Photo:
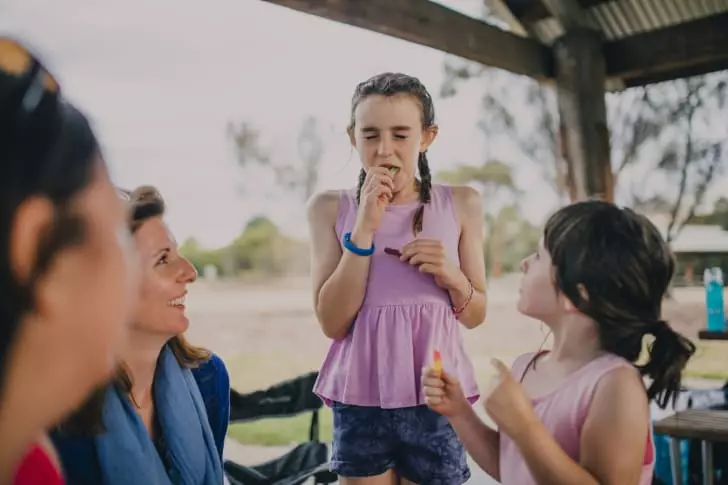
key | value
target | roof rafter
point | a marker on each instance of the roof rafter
(433, 25)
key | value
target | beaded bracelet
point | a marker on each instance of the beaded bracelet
(459, 311)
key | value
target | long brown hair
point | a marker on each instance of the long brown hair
(144, 203)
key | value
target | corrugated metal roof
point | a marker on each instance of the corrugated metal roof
(623, 18)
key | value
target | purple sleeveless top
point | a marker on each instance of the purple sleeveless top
(404, 316)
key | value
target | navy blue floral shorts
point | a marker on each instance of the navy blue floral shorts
(419, 444)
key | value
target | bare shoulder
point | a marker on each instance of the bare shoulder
(618, 412)
(468, 203)
(323, 206)
(619, 399)
(624, 382)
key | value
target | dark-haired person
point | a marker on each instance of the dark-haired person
(579, 414)
(67, 272)
(164, 418)
(397, 269)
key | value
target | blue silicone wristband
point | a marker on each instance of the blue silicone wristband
(350, 246)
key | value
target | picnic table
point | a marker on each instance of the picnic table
(706, 426)
(708, 335)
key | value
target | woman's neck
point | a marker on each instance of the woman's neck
(32, 355)
(16, 442)
(141, 362)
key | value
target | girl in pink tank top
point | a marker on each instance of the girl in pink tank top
(579, 413)
(397, 267)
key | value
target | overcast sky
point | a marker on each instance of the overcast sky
(161, 78)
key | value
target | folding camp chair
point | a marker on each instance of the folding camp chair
(308, 460)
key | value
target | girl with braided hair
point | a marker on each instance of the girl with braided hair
(396, 264)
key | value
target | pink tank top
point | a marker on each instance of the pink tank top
(403, 318)
(564, 411)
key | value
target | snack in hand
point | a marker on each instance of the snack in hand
(393, 252)
(393, 170)
(437, 361)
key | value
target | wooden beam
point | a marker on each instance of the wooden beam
(568, 13)
(682, 50)
(584, 135)
(501, 10)
(532, 11)
(696, 70)
(432, 25)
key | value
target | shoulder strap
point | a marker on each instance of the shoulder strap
(526, 362)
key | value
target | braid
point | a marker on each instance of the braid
(362, 178)
(425, 189)
(391, 84)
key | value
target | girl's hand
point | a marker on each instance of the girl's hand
(429, 257)
(443, 393)
(507, 403)
(376, 192)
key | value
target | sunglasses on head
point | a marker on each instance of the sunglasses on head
(35, 82)
(31, 104)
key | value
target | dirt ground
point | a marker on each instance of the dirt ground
(270, 329)
(267, 332)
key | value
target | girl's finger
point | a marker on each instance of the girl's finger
(448, 379)
(415, 260)
(424, 258)
(434, 382)
(378, 191)
(375, 176)
(428, 268)
(431, 376)
(432, 400)
(382, 180)
(386, 180)
(434, 392)
(430, 250)
(385, 193)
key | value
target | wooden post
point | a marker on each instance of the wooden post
(580, 78)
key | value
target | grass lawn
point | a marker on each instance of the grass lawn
(710, 362)
(283, 431)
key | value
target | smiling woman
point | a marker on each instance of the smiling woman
(165, 417)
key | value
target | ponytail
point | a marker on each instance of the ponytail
(668, 356)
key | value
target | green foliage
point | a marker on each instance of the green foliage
(260, 249)
(509, 238)
(719, 215)
(494, 173)
(200, 257)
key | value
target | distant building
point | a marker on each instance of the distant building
(697, 247)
